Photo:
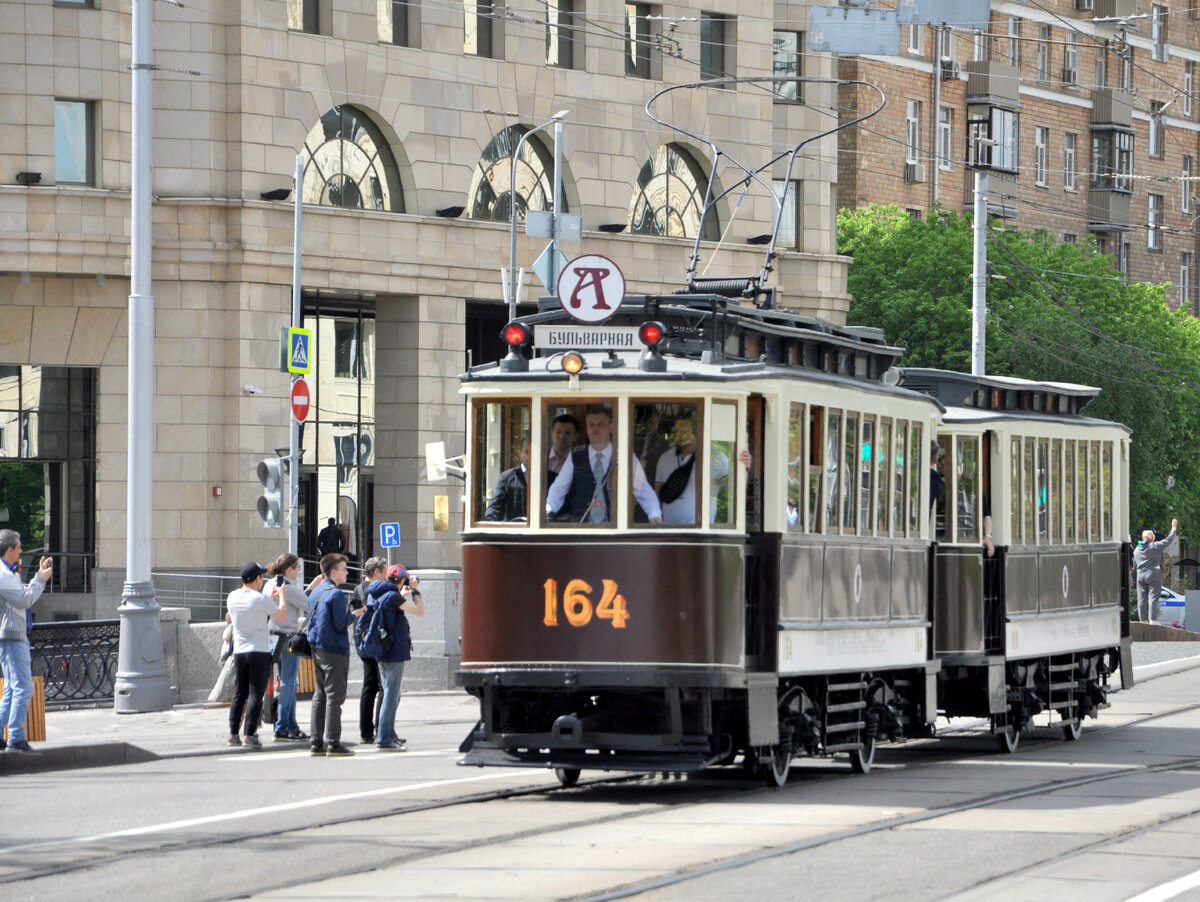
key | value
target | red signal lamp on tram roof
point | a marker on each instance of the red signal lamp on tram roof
(516, 336)
(651, 335)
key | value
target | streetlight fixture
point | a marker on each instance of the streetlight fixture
(510, 289)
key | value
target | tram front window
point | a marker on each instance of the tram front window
(500, 481)
(671, 460)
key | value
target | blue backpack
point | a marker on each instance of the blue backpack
(373, 640)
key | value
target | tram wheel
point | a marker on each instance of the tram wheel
(1072, 725)
(862, 759)
(567, 776)
(777, 767)
(1008, 737)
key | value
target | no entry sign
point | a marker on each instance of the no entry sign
(300, 400)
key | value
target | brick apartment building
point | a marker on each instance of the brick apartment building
(1082, 112)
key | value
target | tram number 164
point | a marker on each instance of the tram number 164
(577, 605)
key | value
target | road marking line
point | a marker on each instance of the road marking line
(1168, 890)
(254, 812)
(366, 751)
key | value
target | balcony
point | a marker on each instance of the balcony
(992, 82)
(1108, 211)
(1112, 107)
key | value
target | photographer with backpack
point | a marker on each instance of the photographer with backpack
(385, 637)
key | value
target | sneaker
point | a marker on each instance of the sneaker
(233, 740)
(398, 745)
(298, 735)
(23, 747)
(283, 736)
(367, 738)
(317, 748)
(337, 750)
(252, 742)
(3, 743)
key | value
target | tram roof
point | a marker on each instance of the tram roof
(999, 394)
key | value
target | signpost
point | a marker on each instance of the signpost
(389, 538)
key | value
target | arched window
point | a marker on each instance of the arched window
(492, 195)
(669, 199)
(350, 164)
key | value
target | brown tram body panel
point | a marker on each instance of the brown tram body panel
(684, 602)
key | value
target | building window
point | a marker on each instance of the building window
(916, 39)
(637, 39)
(74, 142)
(992, 138)
(979, 50)
(1112, 160)
(717, 41)
(947, 44)
(479, 28)
(790, 223)
(1069, 140)
(1155, 148)
(560, 33)
(493, 192)
(1189, 86)
(1070, 73)
(945, 137)
(787, 61)
(912, 132)
(349, 164)
(392, 17)
(1043, 54)
(1069, 238)
(1014, 41)
(1154, 206)
(1041, 137)
(669, 199)
(1185, 280)
(1101, 73)
(1185, 199)
(1158, 32)
(302, 16)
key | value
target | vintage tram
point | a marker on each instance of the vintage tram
(801, 593)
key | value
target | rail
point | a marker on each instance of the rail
(77, 660)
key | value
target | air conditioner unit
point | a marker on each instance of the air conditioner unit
(1070, 77)
(950, 69)
(914, 172)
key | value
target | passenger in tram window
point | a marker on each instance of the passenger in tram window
(793, 513)
(511, 499)
(675, 474)
(583, 490)
(649, 440)
(936, 479)
(564, 432)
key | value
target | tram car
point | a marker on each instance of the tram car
(1039, 621)
(745, 571)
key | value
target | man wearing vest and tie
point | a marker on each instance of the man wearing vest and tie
(582, 493)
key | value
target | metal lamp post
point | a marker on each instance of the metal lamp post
(141, 681)
(556, 120)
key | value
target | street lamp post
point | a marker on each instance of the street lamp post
(511, 287)
(141, 680)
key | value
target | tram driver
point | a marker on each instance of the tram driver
(512, 490)
(582, 493)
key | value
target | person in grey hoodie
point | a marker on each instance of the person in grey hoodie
(15, 600)
(1148, 559)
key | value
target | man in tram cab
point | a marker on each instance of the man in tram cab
(675, 474)
(512, 490)
(582, 493)
(563, 433)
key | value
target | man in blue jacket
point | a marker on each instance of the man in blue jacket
(329, 616)
(395, 595)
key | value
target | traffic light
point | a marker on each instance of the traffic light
(270, 502)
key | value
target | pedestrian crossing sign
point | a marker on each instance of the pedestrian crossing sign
(299, 345)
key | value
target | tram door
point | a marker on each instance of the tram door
(762, 550)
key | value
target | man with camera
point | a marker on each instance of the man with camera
(251, 612)
(15, 601)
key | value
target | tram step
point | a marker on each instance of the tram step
(843, 747)
(1063, 687)
(844, 727)
(1061, 668)
(846, 706)
(847, 687)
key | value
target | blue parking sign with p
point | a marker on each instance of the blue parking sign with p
(389, 535)
(299, 344)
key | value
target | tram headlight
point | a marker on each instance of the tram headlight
(572, 363)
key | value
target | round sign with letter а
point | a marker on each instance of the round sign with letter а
(591, 288)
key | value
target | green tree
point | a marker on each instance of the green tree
(23, 496)
(1056, 312)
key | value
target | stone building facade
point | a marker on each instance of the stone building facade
(405, 115)
(1093, 111)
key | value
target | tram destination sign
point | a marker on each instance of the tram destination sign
(586, 338)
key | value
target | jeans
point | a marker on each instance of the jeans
(333, 669)
(18, 686)
(368, 701)
(390, 675)
(289, 679)
(252, 669)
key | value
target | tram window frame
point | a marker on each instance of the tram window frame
(579, 409)
(867, 474)
(1070, 535)
(724, 422)
(1042, 490)
(796, 467)
(1106, 471)
(814, 512)
(1029, 491)
(1094, 482)
(833, 471)
(967, 516)
(899, 466)
(1083, 495)
(915, 483)
(883, 465)
(1016, 492)
(851, 443)
(671, 410)
(940, 526)
(490, 456)
(1056, 514)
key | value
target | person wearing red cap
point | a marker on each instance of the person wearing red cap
(397, 595)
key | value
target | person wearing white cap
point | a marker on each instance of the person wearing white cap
(1148, 559)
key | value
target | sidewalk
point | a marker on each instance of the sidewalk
(96, 737)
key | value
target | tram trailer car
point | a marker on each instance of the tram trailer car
(1041, 624)
(781, 609)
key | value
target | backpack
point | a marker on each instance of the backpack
(374, 640)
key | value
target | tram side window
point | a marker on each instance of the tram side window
(1016, 492)
(500, 480)
(916, 485)
(1069, 534)
(883, 459)
(1042, 463)
(1056, 520)
(1106, 493)
(722, 446)
(966, 490)
(797, 425)
(813, 517)
(850, 474)
(1094, 467)
(1081, 502)
(1029, 493)
(667, 436)
(833, 469)
(899, 464)
(939, 486)
(867, 471)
